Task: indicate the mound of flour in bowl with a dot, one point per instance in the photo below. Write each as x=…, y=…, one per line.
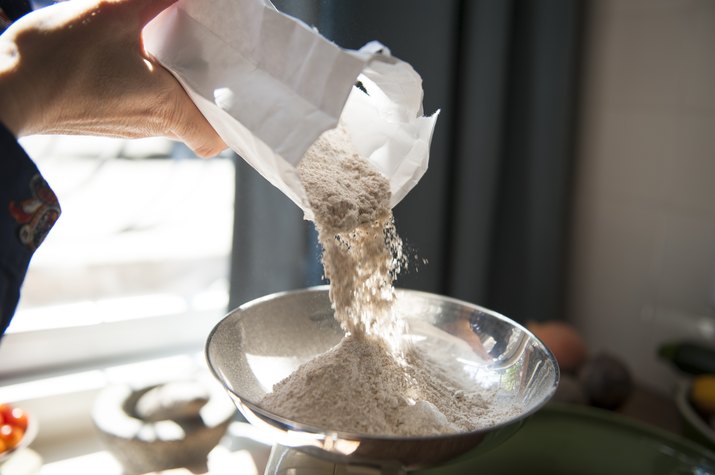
x=369, y=383
x=360, y=387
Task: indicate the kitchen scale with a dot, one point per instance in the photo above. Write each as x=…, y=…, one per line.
x=265, y=340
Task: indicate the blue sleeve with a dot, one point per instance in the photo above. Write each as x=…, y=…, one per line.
x=28, y=209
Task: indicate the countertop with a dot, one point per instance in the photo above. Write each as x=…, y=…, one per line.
x=241, y=453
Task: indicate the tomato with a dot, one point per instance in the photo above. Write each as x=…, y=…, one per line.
x=4, y=409
x=13, y=424
x=17, y=417
x=11, y=435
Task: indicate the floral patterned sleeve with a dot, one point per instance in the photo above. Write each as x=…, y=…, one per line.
x=28, y=209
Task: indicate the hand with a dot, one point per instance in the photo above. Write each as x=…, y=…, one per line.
x=79, y=67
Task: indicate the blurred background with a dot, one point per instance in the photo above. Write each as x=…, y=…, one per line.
x=572, y=178
x=572, y=170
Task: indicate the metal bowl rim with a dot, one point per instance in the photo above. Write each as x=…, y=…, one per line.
x=292, y=425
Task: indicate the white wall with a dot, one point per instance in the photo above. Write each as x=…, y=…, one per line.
x=643, y=262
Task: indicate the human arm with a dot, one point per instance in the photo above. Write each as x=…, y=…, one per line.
x=79, y=67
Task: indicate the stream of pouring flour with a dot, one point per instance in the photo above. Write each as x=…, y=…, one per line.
x=370, y=383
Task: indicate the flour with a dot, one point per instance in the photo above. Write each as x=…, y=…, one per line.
x=343, y=189
x=370, y=383
x=357, y=386
x=362, y=253
x=360, y=387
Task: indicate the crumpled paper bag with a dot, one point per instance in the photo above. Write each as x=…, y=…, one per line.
x=270, y=85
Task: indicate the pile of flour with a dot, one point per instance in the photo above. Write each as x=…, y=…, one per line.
x=359, y=386
x=369, y=383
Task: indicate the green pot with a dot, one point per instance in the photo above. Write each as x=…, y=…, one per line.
x=564, y=439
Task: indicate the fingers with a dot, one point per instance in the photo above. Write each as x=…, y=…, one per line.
x=186, y=123
x=205, y=143
x=182, y=119
x=195, y=131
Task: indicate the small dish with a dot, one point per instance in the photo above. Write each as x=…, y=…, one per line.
x=27, y=438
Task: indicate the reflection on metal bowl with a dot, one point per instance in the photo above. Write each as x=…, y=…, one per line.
x=265, y=340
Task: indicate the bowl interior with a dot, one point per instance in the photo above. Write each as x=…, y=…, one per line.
x=264, y=341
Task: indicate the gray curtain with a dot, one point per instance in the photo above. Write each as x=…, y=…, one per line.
x=491, y=214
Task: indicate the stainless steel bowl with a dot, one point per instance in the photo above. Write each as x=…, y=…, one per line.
x=265, y=340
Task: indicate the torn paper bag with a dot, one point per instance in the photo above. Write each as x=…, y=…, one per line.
x=270, y=85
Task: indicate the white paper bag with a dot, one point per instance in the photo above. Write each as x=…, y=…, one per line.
x=270, y=85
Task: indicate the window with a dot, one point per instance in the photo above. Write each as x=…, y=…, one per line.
x=138, y=262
